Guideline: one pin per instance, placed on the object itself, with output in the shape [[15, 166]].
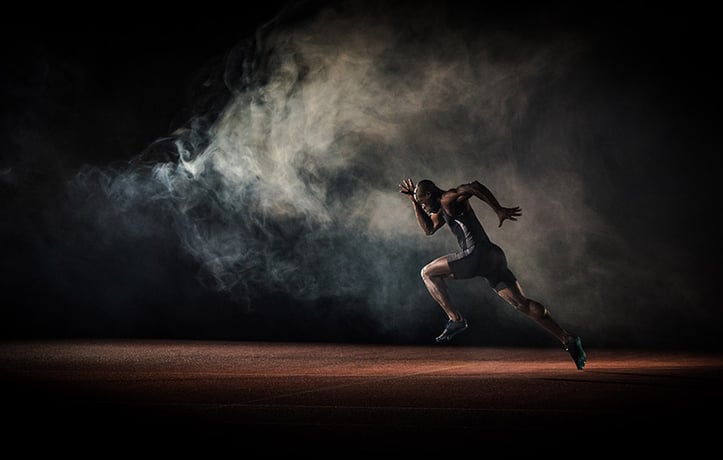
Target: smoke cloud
[[284, 180], [293, 184]]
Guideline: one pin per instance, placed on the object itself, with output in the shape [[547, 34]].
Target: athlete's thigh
[[438, 267]]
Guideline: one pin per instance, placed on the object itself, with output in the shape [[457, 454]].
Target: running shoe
[[574, 347], [453, 328]]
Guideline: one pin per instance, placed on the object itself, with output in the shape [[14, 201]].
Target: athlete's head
[[427, 194]]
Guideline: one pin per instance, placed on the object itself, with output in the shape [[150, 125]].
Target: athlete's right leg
[[433, 275]]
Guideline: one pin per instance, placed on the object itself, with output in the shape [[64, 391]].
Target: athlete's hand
[[407, 187], [508, 213]]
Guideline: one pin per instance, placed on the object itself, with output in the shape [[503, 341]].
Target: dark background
[[95, 91]]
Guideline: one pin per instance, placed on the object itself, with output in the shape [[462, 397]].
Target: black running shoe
[[574, 347], [453, 328]]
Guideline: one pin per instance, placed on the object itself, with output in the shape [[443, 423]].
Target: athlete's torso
[[467, 228]]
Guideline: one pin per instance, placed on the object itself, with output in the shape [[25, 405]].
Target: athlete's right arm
[[429, 223]]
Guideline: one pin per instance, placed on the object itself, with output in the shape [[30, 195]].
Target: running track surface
[[254, 399]]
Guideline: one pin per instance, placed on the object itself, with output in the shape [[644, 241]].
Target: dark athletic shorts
[[488, 261]]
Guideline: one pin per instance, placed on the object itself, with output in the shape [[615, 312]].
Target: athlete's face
[[429, 204]]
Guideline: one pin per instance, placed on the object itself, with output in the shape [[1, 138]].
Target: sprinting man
[[478, 256]]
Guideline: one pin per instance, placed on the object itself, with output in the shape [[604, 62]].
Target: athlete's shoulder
[[459, 192], [449, 195], [466, 187]]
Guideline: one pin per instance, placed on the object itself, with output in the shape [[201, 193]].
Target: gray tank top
[[468, 230]]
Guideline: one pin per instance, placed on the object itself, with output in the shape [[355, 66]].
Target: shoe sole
[[449, 337]]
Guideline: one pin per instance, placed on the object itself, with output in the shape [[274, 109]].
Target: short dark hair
[[427, 186]]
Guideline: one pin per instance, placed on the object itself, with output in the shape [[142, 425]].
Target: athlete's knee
[[429, 272], [424, 272], [520, 303], [513, 298], [528, 307], [537, 310]]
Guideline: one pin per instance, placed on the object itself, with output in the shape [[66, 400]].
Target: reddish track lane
[[279, 398]]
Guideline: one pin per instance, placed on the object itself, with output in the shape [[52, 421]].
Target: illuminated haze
[[287, 182]]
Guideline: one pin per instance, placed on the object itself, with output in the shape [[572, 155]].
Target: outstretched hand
[[407, 187], [508, 213]]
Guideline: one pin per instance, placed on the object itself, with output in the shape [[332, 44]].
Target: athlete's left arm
[[466, 191]]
